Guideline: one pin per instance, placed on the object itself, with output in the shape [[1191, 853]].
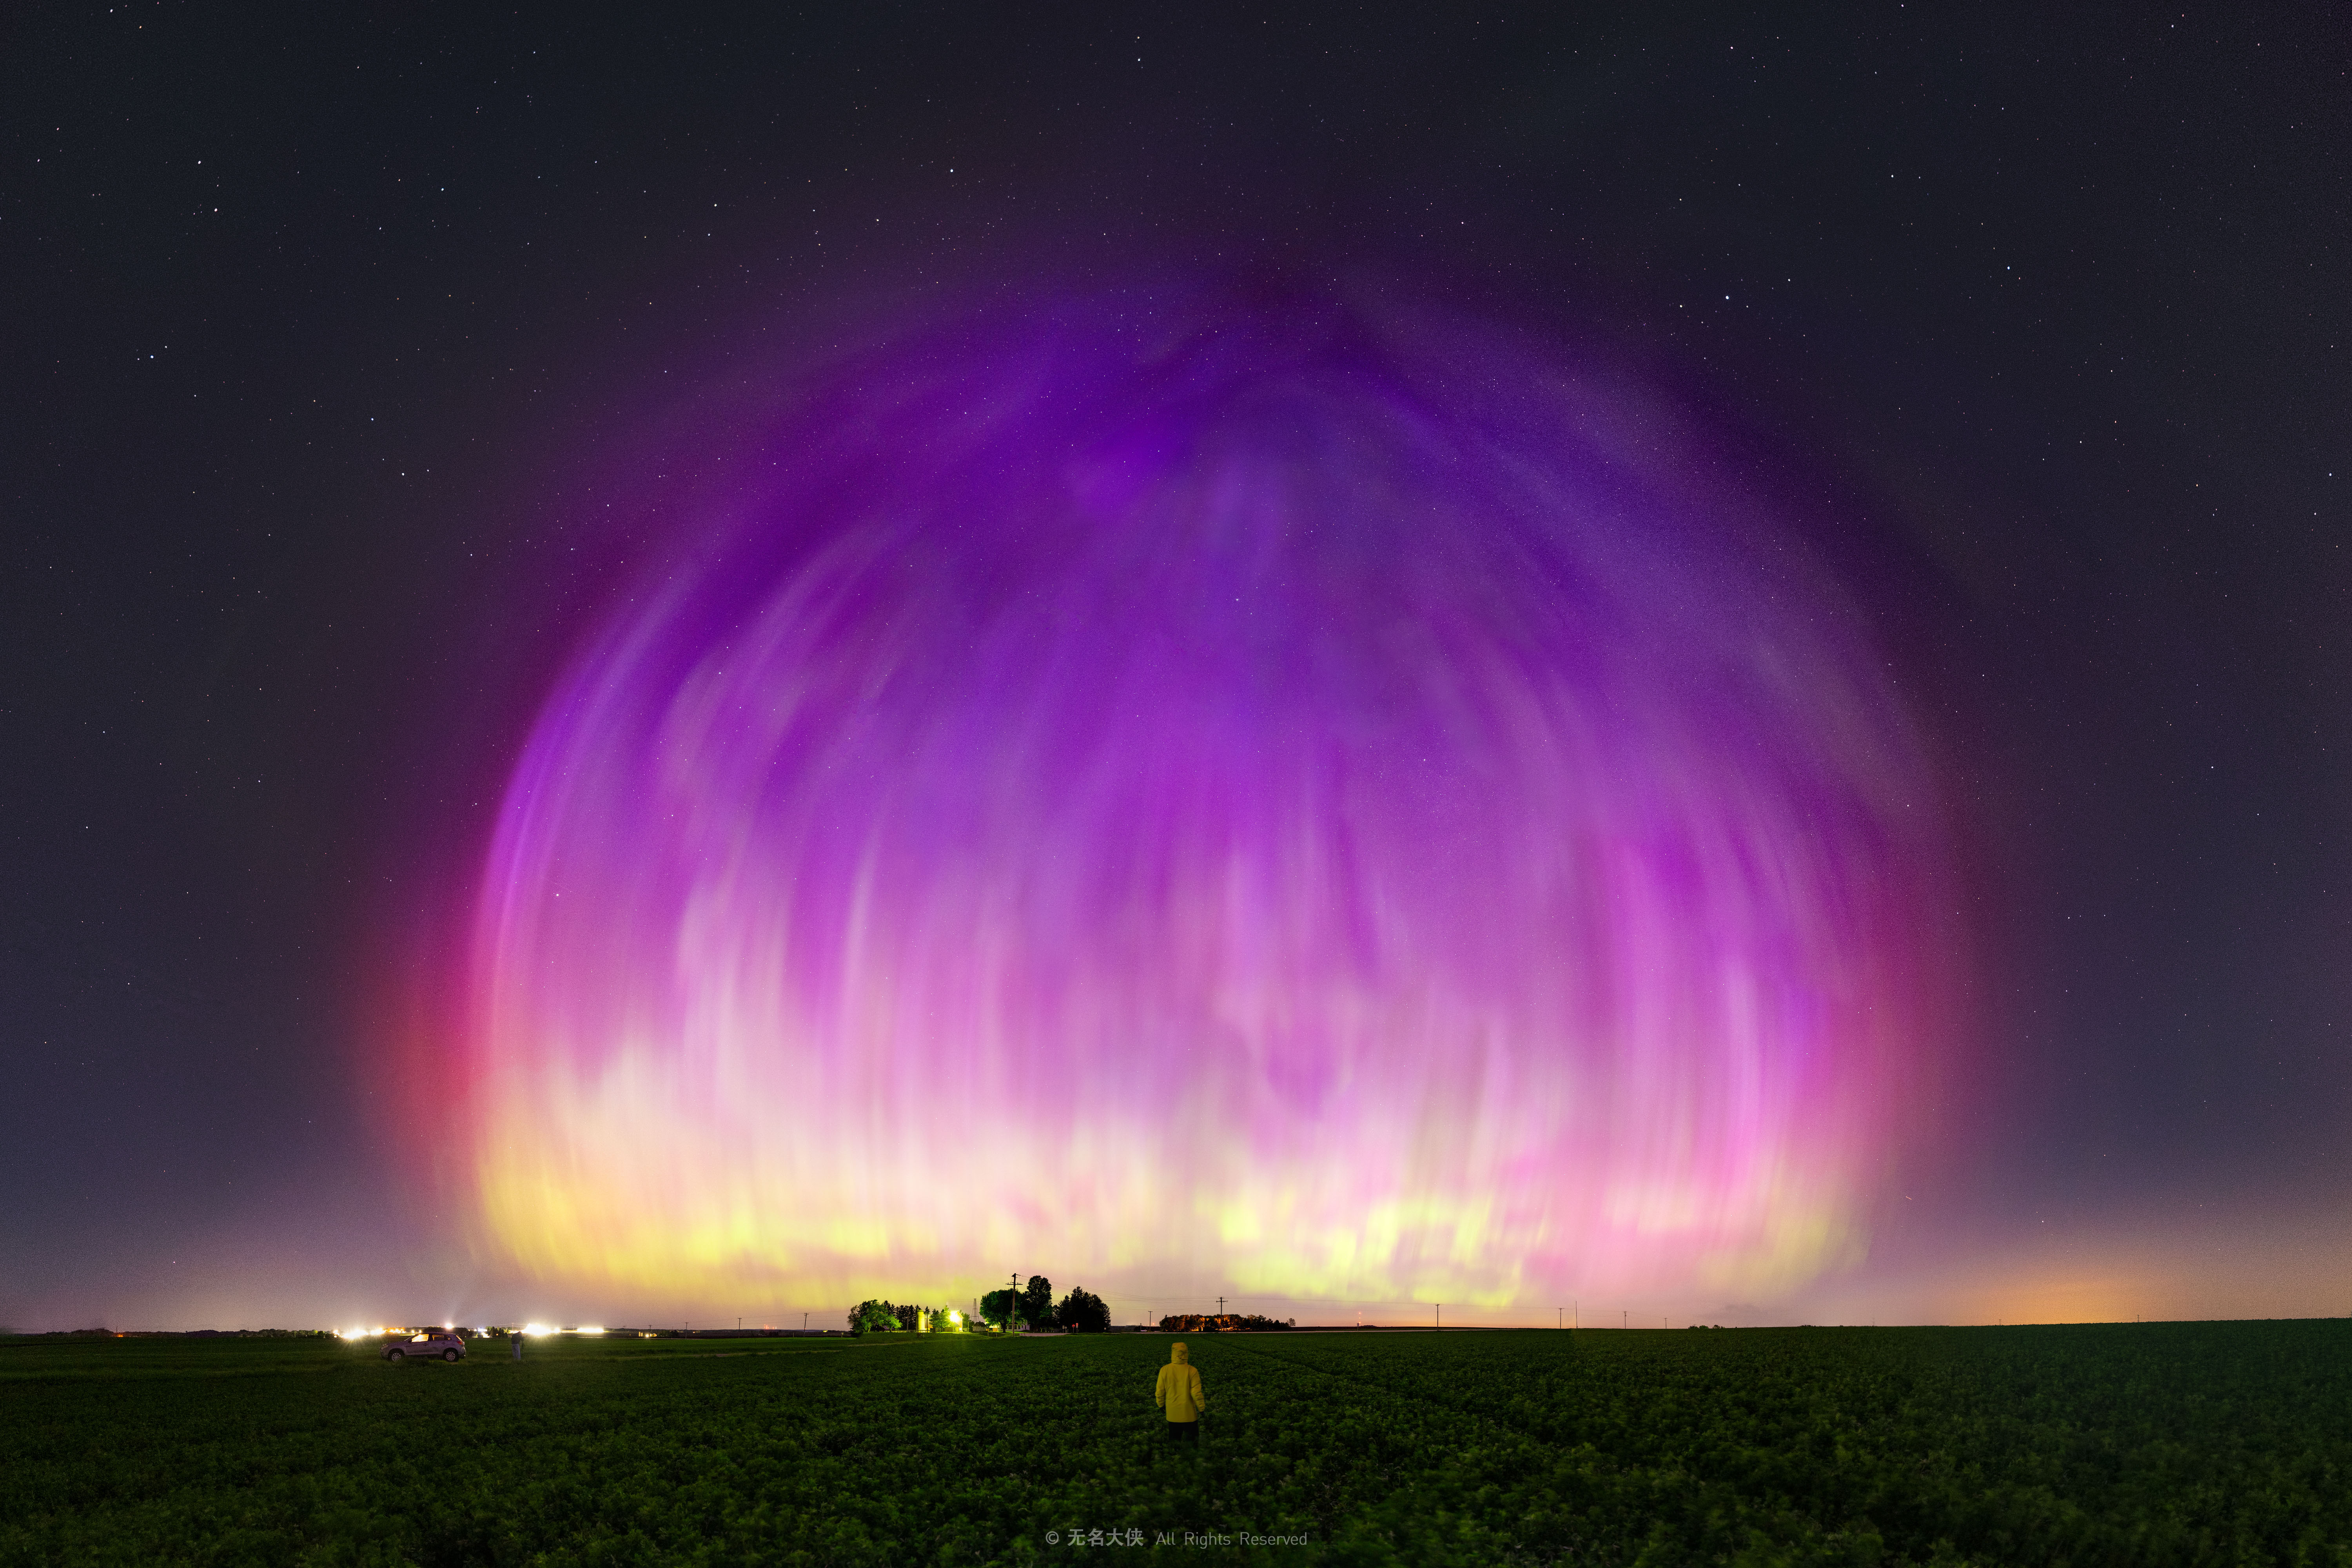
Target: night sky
[[363, 372]]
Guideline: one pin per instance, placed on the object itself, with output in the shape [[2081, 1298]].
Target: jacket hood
[[1178, 1355]]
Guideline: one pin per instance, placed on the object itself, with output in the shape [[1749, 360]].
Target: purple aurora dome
[[1306, 799]]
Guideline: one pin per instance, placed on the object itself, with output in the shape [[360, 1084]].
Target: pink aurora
[[1292, 799]]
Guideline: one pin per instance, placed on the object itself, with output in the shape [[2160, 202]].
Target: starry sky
[[1973, 396]]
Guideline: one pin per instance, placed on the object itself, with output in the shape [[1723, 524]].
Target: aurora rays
[[1301, 798]]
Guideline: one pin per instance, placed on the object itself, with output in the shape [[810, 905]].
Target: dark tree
[[1083, 1311], [998, 1306], [1037, 1301], [873, 1317]]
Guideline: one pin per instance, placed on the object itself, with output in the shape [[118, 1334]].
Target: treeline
[[1224, 1323], [1033, 1307], [893, 1317]]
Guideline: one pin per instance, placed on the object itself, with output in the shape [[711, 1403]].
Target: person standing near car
[[1178, 1393]]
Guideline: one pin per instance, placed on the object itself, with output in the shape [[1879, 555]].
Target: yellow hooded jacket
[[1179, 1390]]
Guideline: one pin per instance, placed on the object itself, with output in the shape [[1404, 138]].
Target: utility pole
[[1621, 1320], [1440, 1314], [1220, 1306]]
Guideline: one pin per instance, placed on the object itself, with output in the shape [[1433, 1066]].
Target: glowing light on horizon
[[1313, 799]]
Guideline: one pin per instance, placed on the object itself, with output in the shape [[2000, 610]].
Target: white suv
[[439, 1342]]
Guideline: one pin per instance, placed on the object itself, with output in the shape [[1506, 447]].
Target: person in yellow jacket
[[1178, 1393]]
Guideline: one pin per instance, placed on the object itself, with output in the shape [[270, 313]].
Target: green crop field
[[2135, 1447]]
